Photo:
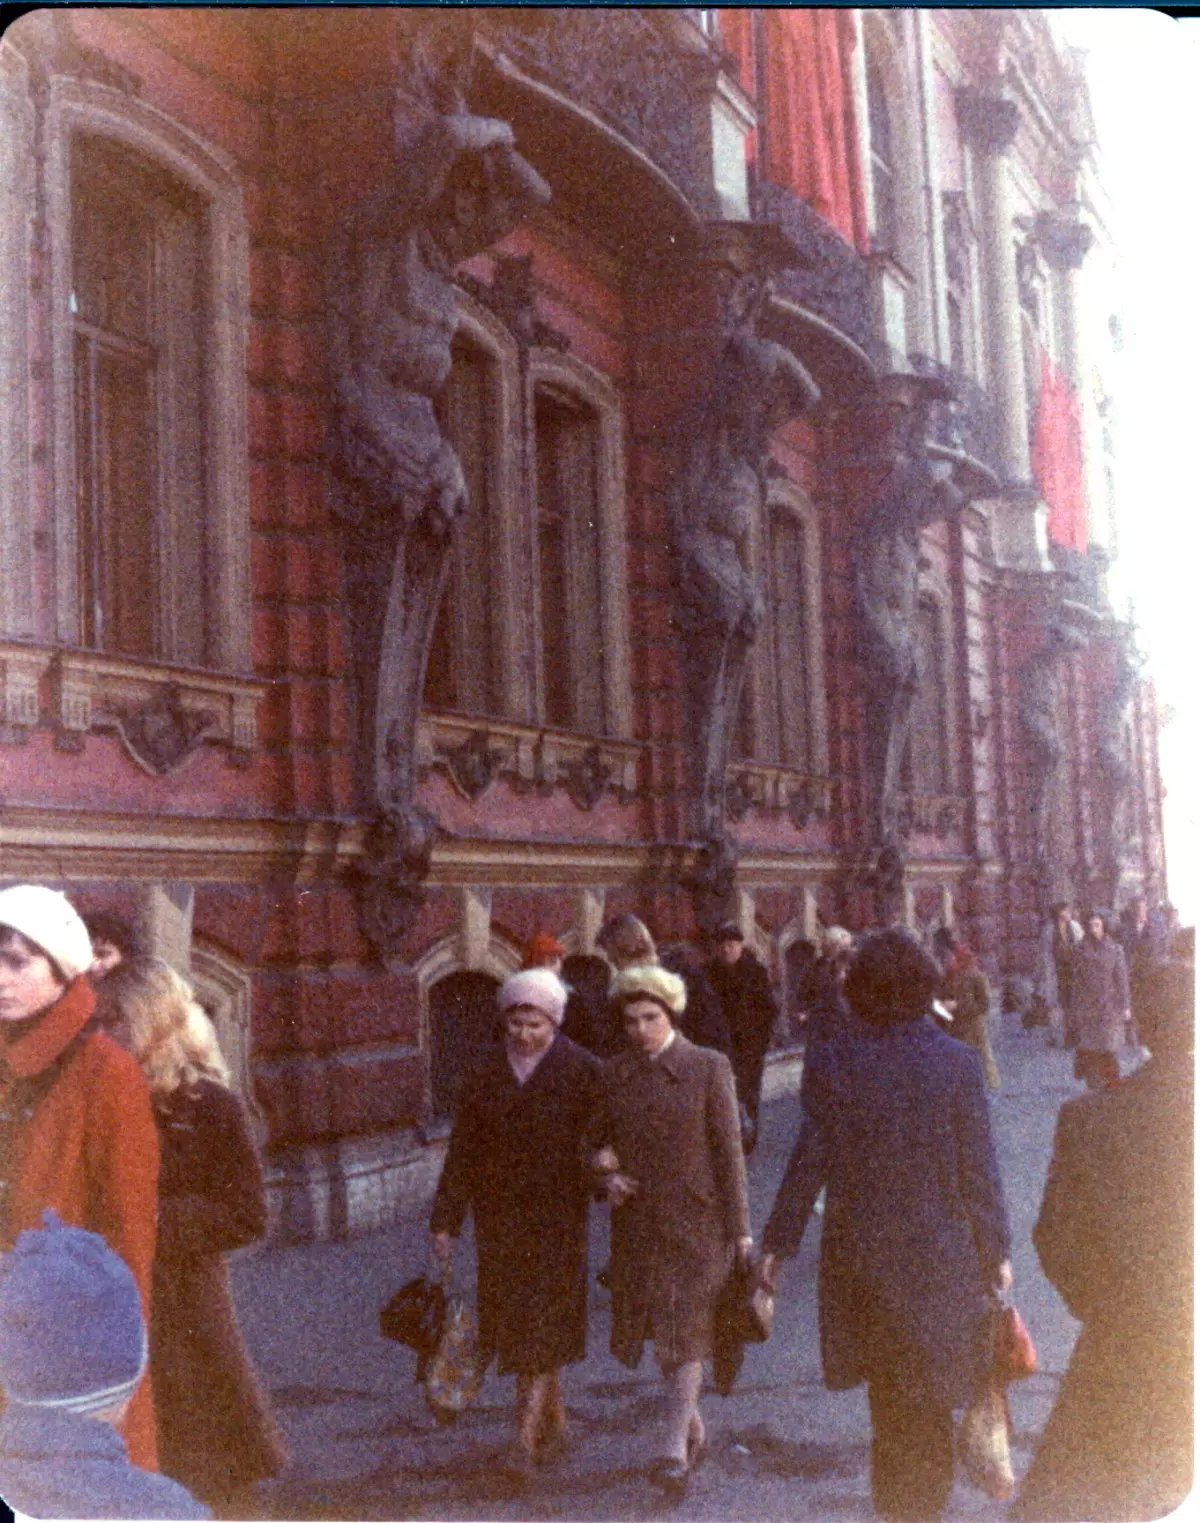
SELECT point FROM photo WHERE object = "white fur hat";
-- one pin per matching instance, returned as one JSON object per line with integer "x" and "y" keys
{"x": 49, "y": 920}
{"x": 538, "y": 987}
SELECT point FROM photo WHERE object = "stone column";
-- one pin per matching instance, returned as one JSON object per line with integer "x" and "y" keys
{"x": 164, "y": 923}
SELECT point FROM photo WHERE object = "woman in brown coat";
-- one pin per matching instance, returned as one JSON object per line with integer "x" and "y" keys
{"x": 668, "y": 1154}
{"x": 215, "y": 1429}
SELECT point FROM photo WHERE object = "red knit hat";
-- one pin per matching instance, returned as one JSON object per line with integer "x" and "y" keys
{"x": 541, "y": 948}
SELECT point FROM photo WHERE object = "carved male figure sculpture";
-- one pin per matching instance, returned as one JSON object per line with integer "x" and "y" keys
{"x": 458, "y": 186}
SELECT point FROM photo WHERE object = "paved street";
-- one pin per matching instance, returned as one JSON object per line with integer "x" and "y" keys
{"x": 366, "y": 1447}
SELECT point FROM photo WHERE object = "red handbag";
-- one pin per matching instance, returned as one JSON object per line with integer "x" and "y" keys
{"x": 1014, "y": 1356}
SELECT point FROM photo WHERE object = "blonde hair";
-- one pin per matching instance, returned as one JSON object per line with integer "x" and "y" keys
{"x": 651, "y": 982}
{"x": 162, "y": 1024}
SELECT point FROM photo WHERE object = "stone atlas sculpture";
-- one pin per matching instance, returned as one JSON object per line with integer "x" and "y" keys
{"x": 457, "y": 186}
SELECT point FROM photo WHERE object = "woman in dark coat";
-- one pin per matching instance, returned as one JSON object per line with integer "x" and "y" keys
{"x": 515, "y": 1161}
{"x": 216, "y": 1432}
{"x": 668, "y": 1153}
{"x": 1100, "y": 1008}
{"x": 915, "y": 1234}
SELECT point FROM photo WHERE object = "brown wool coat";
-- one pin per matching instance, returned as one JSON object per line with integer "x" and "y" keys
{"x": 673, "y": 1124}
{"x": 89, "y": 1150}
{"x": 216, "y": 1431}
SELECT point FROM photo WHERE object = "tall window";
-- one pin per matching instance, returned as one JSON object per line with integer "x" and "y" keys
{"x": 883, "y": 162}
{"x": 927, "y": 762}
{"x": 139, "y": 313}
{"x": 464, "y": 660}
{"x": 566, "y": 444}
{"x": 784, "y": 735}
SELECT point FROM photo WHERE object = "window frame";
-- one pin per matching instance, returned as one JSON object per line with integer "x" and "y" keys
{"x": 933, "y": 594}
{"x": 553, "y": 370}
{"x": 784, "y": 496}
{"x": 82, "y": 108}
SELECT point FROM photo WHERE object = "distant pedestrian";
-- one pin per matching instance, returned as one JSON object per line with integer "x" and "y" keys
{"x": 823, "y": 990}
{"x": 516, "y": 1162}
{"x": 1061, "y": 934}
{"x": 667, "y": 1151}
{"x": 628, "y": 944}
{"x": 112, "y": 941}
{"x": 896, "y": 1127}
{"x": 1099, "y": 1008}
{"x": 966, "y": 994}
{"x": 543, "y": 950}
{"x": 1115, "y": 1237}
{"x": 77, "y": 1132}
{"x": 743, "y": 986}
{"x": 216, "y": 1433}
{"x": 72, "y": 1354}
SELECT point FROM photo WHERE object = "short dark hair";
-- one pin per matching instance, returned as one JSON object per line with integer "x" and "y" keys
{"x": 730, "y": 931}
{"x": 891, "y": 979}
{"x": 105, "y": 927}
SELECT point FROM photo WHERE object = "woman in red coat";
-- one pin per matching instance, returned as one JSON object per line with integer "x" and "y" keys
{"x": 76, "y": 1128}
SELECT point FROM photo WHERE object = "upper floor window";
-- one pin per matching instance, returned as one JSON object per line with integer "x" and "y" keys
{"x": 782, "y": 714}
{"x": 139, "y": 321}
{"x": 883, "y": 162}
{"x": 569, "y": 562}
{"x": 927, "y": 765}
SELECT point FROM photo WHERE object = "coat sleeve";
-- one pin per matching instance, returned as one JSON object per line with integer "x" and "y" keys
{"x": 725, "y": 1143}
{"x": 227, "y": 1209}
{"x": 1064, "y": 1232}
{"x": 122, "y": 1161}
{"x": 806, "y": 1170}
{"x": 979, "y": 1173}
{"x": 1121, "y": 980}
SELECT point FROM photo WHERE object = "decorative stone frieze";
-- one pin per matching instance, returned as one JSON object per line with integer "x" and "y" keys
{"x": 475, "y": 754}
{"x": 773, "y": 790}
{"x": 990, "y": 121}
{"x": 163, "y": 713}
{"x": 1063, "y": 238}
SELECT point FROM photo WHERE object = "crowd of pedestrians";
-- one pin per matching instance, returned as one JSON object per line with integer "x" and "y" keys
{"x": 128, "y": 1171}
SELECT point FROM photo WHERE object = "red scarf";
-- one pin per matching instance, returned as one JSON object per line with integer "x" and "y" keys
{"x": 32, "y": 1050}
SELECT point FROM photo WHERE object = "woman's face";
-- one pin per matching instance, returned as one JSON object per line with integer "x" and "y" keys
{"x": 647, "y": 1024}
{"x": 29, "y": 982}
{"x": 528, "y": 1030}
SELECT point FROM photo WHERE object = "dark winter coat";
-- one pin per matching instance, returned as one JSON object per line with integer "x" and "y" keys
{"x": 216, "y": 1432}
{"x": 59, "y": 1465}
{"x": 1115, "y": 1237}
{"x": 1099, "y": 995}
{"x": 896, "y": 1127}
{"x": 744, "y": 990}
{"x": 515, "y": 1160}
{"x": 672, "y": 1122}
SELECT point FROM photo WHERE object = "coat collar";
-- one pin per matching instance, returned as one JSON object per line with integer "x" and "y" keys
{"x": 33, "y": 1051}
{"x": 676, "y": 1058}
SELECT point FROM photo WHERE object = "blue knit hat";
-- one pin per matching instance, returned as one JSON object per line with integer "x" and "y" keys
{"x": 71, "y": 1329}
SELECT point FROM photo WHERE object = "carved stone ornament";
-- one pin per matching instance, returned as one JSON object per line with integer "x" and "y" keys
{"x": 718, "y": 495}
{"x": 1114, "y": 764}
{"x": 474, "y": 765}
{"x": 710, "y": 881}
{"x": 1063, "y": 238}
{"x": 457, "y": 186}
{"x": 739, "y": 797}
{"x": 1039, "y": 710}
{"x": 587, "y": 778}
{"x": 1030, "y": 275}
{"x": 161, "y": 734}
{"x": 915, "y": 490}
{"x": 957, "y": 236}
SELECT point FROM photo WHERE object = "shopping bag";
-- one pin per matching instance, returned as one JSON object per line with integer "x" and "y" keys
{"x": 453, "y": 1377}
{"x": 415, "y": 1317}
{"x": 983, "y": 1444}
{"x": 1014, "y": 1357}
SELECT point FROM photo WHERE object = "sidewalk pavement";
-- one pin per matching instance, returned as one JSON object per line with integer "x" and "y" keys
{"x": 365, "y": 1446}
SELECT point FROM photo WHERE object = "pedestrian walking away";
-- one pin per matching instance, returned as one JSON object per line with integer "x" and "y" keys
{"x": 915, "y": 1240}
{"x": 966, "y": 994}
{"x": 77, "y": 1133}
{"x": 744, "y": 988}
{"x": 666, "y": 1148}
{"x": 216, "y": 1432}
{"x": 516, "y": 1161}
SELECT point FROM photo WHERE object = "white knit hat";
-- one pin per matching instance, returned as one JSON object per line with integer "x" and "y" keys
{"x": 49, "y": 920}
{"x": 538, "y": 987}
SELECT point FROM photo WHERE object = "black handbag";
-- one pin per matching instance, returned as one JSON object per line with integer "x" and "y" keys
{"x": 744, "y": 1313}
{"x": 416, "y": 1317}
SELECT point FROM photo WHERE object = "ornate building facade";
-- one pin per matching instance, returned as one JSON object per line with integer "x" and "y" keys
{"x": 465, "y": 475}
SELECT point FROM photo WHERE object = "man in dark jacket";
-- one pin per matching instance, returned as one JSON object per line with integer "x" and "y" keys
{"x": 1115, "y": 1238}
{"x": 744, "y": 990}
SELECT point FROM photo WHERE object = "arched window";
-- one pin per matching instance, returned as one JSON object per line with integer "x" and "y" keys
{"x": 140, "y": 320}
{"x": 149, "y": 276}
{"x": 783, "y": 715}
{"x": 577, "y": 476}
